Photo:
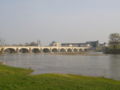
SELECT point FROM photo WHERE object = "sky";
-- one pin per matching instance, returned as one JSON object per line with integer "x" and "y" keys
{"x": 58, "y": 20}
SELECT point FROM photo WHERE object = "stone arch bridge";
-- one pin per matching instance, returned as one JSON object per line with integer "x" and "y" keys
{"x": 39, "y": 49}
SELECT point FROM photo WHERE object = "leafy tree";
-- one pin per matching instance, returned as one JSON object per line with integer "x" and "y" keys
{"x": 114, "y": 41}
{"x": 114, "y": 44}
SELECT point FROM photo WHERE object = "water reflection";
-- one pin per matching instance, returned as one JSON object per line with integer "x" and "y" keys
{"x": 115, "y": 67}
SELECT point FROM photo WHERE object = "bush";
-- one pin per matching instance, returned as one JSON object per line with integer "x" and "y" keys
{"x": 112, "y": 51}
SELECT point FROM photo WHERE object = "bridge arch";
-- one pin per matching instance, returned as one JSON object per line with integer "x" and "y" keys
{"x": 24, "y": 50}
{"x": 85, "y": 50}
{"x": 75, "y": 50}
{"x": 54, "y": 50}
{"x": 80, "y": 50}
{"x": 46, "y": 50}
{"x": 69, "y": 50}
{"x": 9, "y": 50}
{"x": 62, "y": 50}
{"x": 36, "y": 50}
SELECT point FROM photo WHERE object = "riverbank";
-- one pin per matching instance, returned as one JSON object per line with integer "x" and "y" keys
{"x": 12, "y": 78}
{"x": 80, "y": 53}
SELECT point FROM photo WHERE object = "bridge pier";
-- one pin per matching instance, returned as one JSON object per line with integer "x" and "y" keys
{"x": 2, "y": 50}
{"x": 17, "y": 50}
{"x": 30, "y": 51}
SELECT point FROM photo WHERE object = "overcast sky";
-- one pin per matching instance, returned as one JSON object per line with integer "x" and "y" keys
{"x": 58, "y": 20}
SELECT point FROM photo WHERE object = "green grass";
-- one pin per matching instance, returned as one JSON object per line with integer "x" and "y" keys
{"x": 12, "y": 78}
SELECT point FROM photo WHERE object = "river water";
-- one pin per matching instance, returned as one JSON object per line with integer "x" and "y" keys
{"x": 99, "y": 65}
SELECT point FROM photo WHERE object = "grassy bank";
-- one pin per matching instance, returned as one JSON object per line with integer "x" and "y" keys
{"x": 20, "y": 79}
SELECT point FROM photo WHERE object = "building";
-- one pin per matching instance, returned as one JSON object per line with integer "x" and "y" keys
{"x": 74, "y": 44}
{"x": 55, "y": 44}
{"x": 91, "y": 44}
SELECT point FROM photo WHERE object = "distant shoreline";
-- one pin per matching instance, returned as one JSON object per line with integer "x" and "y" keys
{"x": 81, "y": 53}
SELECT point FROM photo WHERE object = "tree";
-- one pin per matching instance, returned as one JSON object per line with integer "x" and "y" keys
{"x": 114, "y": 41}
{"x": 114, "y": 44}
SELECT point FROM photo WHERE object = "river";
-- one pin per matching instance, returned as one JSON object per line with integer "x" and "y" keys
{"x": 107, "y": 66}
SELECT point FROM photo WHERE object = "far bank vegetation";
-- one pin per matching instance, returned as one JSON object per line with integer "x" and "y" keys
{"x": 114, "y": 44}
